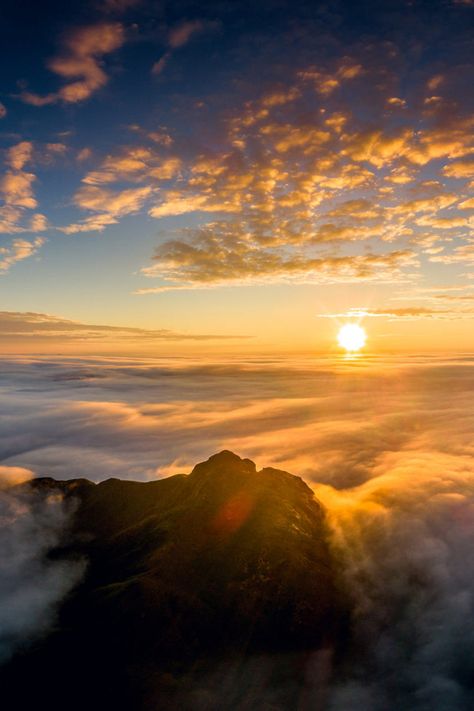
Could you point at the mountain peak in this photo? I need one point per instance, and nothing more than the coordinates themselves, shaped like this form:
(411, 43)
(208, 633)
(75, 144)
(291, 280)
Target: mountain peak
(233, 471)
(226, 563)
(225, 461)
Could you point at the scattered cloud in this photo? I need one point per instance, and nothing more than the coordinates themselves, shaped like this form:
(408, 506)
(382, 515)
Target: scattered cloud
(38, 223)
(84, 154)
(179, 36)
(459, 169)
(17, 189)
(16, 192)
(79, 64)
(108, 205)
(18, 250)
(159, 66)
(19, 155)
(312, 179)
(396, 102)
(326, 82)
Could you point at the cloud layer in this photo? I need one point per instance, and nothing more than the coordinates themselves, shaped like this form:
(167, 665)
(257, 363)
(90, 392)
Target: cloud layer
(387, 445)
(143, 418)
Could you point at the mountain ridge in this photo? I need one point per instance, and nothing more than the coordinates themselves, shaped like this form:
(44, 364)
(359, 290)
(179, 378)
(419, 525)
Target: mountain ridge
(225, 563)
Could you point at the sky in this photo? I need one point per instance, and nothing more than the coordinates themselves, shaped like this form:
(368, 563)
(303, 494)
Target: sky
(235, 178)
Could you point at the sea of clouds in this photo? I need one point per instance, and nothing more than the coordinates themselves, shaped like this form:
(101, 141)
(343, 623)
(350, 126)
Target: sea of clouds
(387, 444)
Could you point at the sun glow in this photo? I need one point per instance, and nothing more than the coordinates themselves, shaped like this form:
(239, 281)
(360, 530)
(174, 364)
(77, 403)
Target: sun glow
(351, 337)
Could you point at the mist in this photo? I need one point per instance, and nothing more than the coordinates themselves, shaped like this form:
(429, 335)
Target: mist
(31, 584)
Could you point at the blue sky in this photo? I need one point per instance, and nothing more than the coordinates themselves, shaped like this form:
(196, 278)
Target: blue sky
(224, 169)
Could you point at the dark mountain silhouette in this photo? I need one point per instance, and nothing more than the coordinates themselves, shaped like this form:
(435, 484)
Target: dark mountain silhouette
(208, 591)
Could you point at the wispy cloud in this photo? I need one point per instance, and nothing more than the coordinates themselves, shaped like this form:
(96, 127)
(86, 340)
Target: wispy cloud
(29, 327)
(406, 313)
(18, 250)
(107, 205)
(178, 36)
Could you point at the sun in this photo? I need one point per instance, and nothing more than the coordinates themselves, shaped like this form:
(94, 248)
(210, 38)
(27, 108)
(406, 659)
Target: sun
(351, 337)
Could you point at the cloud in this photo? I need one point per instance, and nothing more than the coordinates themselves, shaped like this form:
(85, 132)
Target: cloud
(38, 223)
(326, 82)
(272, 411)
(430, 204)
(12, 476)
(128, 166)
(297, 162)
(397, 102)
(224, 254)
(159, 66)
(9, 219)
(16, 191)
(112, 203)
(459, 169)
(18, 250)
(402, 539)
(108, 205)
(84, 154)
(31, 583)
(134, 164)
(464, 254)
(19, 155)
(405, 313)
(179, 36)
(30, 329)
(3, 111)
(16, 187)
(79, 64)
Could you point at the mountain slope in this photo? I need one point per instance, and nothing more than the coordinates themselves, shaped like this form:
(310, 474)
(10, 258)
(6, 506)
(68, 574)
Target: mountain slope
(193, 583)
